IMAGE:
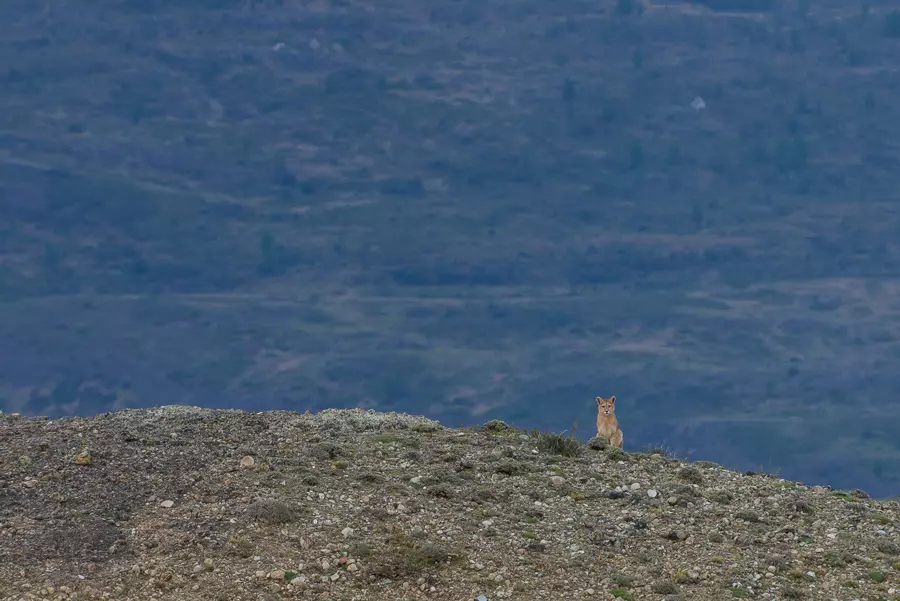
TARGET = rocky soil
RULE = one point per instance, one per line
(186, 503)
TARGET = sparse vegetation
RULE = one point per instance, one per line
(459, 526)
(271, 511)
(690, 474)
(557, 444)
(665, 588)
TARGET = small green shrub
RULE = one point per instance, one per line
(664, 588)
(790, 592)
(721, 496)
(240, 547)
(557, 444)
(690, 474)
(271, 511)
(442, 490)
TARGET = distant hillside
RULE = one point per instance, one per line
(198, 504)
(462, 210)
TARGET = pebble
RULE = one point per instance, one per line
(636, 486)
(557, 481)
(652, 493)
(347, 531)
(247, 461)
(167, 503)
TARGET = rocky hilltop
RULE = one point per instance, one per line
(185, 503)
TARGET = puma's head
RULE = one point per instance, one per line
(606, 407)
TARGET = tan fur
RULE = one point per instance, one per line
(607, 424)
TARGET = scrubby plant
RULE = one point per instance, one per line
(271, 511)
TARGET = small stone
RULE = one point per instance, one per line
(652, 493)
(415, 480)
(30, 483)
(672, 500)
(352, 567)
(167, 503)
(247, 461)
(676, 535)
(557, 481)
(276, 574)
(347, 531)
(84, 458)
(335, 576)
(636, 486)
(198, 568)
(298, 580)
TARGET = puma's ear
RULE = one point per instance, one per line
(612, 400)
(599, 400)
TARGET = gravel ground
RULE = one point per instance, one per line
(186, 503)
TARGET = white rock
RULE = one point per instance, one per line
(167, 503)
(652, 493)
